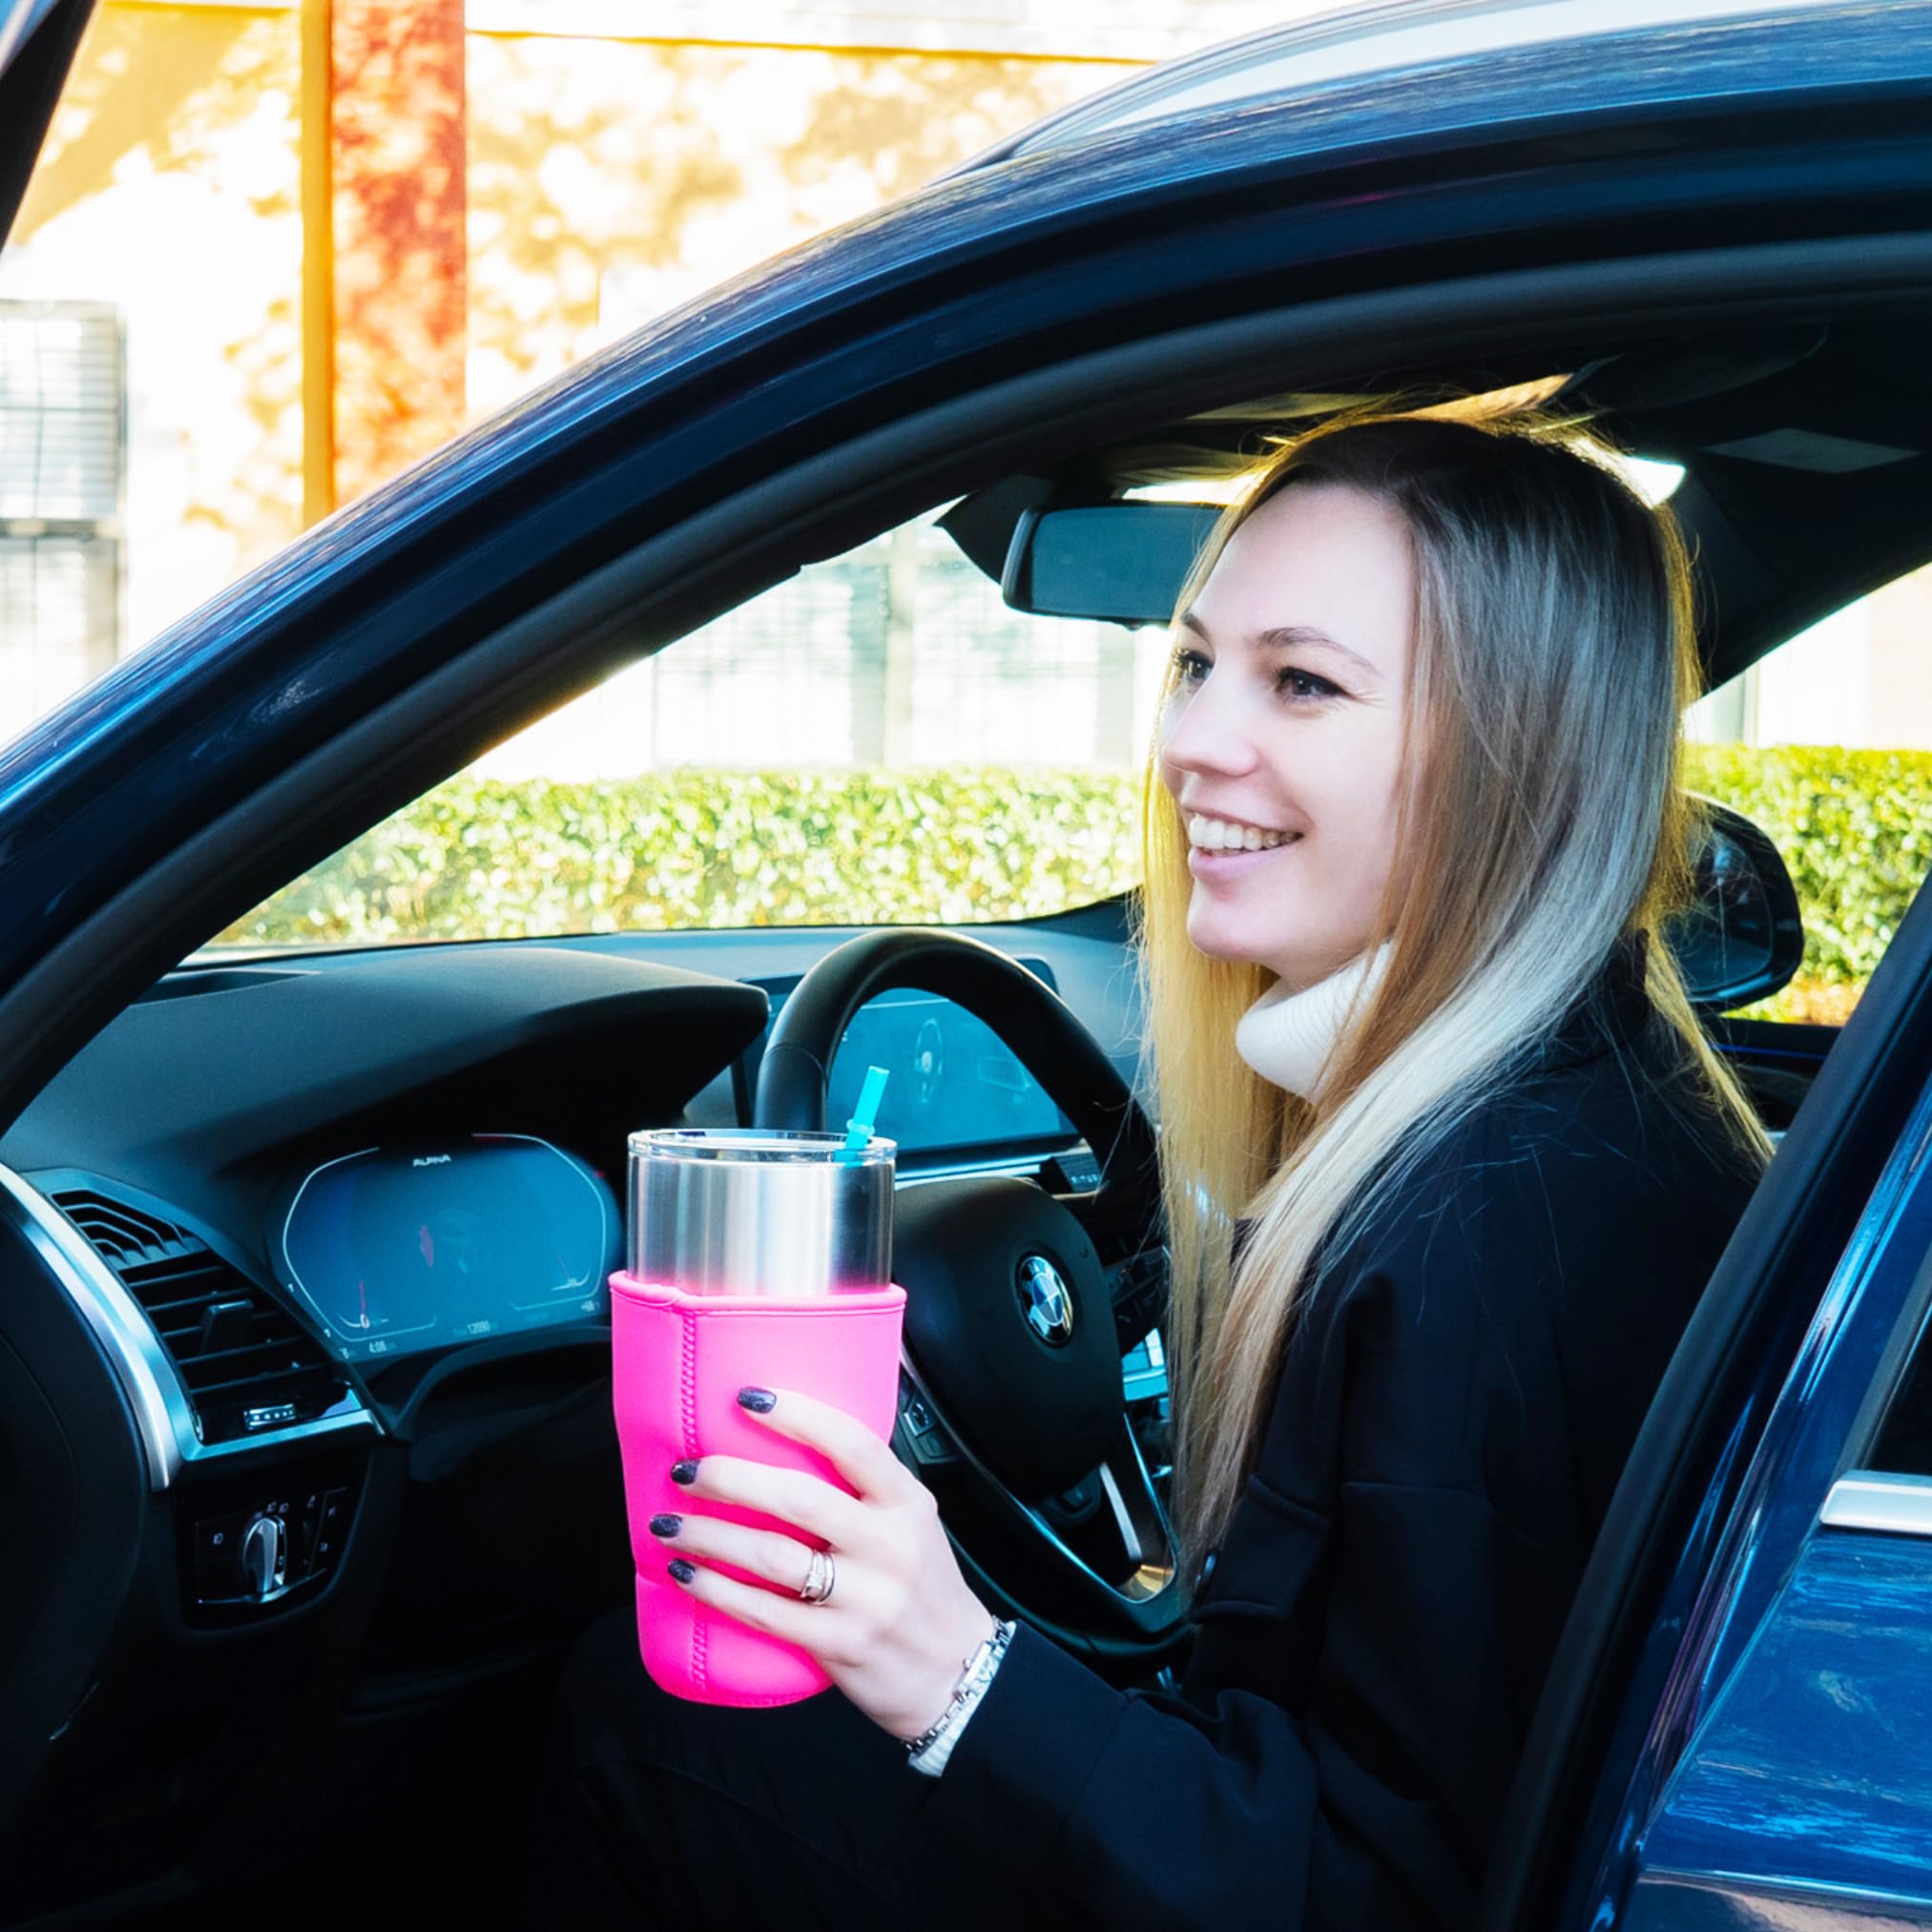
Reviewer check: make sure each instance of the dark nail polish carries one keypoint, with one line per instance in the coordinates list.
(666, 1526)
(685, 1472)
(763, 1400)
(683, 1572)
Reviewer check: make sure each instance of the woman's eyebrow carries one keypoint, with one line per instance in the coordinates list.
(1289, 637)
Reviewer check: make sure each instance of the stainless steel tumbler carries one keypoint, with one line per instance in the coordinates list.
(757, 1258)
(746, 1211)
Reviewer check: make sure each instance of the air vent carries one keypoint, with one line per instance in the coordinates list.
(246, 1365)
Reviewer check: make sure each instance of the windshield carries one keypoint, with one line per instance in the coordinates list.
(877, 740)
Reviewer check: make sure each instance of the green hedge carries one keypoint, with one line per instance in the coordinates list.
(479, 860)
(476, 859)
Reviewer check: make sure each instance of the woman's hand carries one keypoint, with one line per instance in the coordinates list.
(901, 1623)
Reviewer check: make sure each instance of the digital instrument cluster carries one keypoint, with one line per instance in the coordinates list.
(956, 1086)
(402, 1248)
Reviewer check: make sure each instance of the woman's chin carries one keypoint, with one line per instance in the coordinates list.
(1218, 943)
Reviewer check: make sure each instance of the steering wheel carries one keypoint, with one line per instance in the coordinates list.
(1012, 1400)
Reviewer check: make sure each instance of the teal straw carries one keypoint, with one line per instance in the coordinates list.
(859, 1128)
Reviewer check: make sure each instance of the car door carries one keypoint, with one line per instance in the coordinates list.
(1726, 1734)
(1779, 1773)
(1787, 1773)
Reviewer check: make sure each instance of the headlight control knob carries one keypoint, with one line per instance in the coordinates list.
(265, 1554)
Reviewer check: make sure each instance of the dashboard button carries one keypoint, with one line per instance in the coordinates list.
(302, 1537)
(217, 1556)
(329, 1531)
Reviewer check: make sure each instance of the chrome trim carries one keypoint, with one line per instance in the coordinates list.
(126, 1337)
(163, 1417)
(1129, 1536)
(347, 1414)
(1025, 1165)
(1873, 1499)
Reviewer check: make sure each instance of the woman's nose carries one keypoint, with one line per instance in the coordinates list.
(1205, 733)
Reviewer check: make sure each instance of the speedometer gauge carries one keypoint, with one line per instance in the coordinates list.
(402, 1248)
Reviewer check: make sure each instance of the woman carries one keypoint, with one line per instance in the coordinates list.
(1446, 1160)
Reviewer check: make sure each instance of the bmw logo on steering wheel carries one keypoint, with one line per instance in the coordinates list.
(1045, 1301)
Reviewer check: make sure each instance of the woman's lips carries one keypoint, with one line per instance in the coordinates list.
(1204, 864)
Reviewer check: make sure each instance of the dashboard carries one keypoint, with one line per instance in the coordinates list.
(421, 1242)
(310, 1188)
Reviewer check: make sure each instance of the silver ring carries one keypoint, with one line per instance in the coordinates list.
(819, 1578)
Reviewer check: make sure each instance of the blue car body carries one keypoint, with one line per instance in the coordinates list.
(1763, 1755)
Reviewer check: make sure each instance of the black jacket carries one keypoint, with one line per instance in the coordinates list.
(1453, 1413)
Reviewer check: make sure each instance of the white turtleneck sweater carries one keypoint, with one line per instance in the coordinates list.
(1289, 1037)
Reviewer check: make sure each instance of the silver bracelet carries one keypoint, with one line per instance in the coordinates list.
(932, 1759)
(979, 1667)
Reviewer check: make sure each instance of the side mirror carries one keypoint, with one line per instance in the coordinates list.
(1124, 562)
(1743, 940)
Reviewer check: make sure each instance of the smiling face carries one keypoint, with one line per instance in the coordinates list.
(1281, 740)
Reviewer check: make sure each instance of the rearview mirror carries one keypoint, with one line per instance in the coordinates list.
(1122, 562)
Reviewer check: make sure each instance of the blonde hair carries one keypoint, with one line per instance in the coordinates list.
(1541, 817)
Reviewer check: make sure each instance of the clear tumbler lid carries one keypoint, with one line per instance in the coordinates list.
(757, 1144)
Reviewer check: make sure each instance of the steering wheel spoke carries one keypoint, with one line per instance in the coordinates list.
(1137, 1557)
(1106, 1531)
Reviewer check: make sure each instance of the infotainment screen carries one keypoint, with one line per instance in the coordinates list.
(403, 1248)
(956, 1086)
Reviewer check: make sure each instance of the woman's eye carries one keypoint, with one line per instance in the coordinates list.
(1292, 683)
(1189, 667)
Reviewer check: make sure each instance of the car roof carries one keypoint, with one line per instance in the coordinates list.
(1353, 42)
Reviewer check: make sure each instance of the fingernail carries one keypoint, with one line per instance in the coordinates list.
(685, 1472)
(683, 1572)
(763, 1400)
(666, 1526)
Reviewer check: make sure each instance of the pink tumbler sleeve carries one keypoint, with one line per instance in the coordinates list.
(677, 1364)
